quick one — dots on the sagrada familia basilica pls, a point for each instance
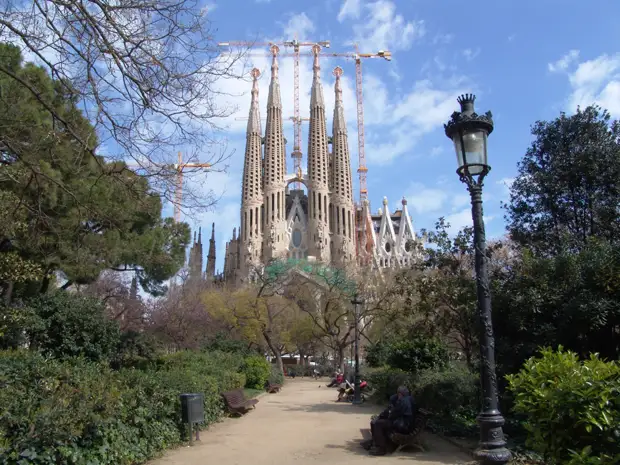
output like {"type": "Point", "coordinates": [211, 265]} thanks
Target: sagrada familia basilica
{"type": "Point", "coordinates": [324, 224]}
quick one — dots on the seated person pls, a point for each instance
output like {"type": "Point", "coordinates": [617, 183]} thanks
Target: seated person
{"type": "Point", "coordinates": [336, 380]}
{"type": "Point", "coordinates": [397, 417]}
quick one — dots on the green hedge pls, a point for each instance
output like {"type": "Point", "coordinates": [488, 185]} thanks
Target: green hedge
{"type": "Point", "coordinates": [572, 407]}
{"type": "Point", "coordinates": [79, 412]}
{"type": "Point", "coordinates": [451, 394]}
{"type": "Point", "coordinates": [257, 371]}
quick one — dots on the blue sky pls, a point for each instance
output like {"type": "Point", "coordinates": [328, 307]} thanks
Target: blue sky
{"type": "Point", "coordinates": [525, 60]}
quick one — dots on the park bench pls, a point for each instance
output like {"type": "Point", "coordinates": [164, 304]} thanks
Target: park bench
{"type": "Point", "coordinates": [412, 439]}
{"type": "Point", "coordinates": [273, 388]}
{"type": "Point", "coordinates": [236, 403]}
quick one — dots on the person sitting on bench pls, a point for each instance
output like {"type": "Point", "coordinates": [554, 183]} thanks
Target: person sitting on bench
{"type": "Point", "coordinates": [397, 417]}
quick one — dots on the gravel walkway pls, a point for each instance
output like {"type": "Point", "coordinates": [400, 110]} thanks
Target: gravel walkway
{"type": "Point", "coordinates": [302, 424]}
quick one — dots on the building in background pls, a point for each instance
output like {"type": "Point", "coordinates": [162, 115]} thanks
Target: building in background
{"type": "Point", "coordinates": [280, 219]}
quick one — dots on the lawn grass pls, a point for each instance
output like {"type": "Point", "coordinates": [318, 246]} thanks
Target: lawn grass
{"type": "Point", "coordinates": [251, 393]}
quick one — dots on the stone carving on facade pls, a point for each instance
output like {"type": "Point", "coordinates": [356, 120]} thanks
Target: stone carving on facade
{"type": "Point", "coordinates": [320, 242]}
{"type": "Point", "coordinates": [249, 252]}
{"type": "Point", "coordinates": [344, 248]}
{"type": "Point", "coordinates": [272, 234]}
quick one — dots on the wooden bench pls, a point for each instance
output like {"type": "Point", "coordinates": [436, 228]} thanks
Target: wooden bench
{"type": "Point", "coordinates": [273, 388]}
{"type": "Point", "coordinates": [412, 439]}
{"type": "Point", "coordinates": [236, 403]}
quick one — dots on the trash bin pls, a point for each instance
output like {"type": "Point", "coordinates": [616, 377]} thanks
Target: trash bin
{"type": "Point", "coordinates": [192, 408]}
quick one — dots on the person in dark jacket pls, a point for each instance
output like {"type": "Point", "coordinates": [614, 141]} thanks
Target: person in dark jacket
{"type": "Point", "coordinates": [399, 418]}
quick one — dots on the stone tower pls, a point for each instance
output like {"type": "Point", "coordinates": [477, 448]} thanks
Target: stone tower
{"type": "Point", "coordinates": [341, 208]}
{"type": "Point", "coordinates": [251, 229]}
{"type": "Point", "coordinates": [210, 271]}
{"type": "Point", "coordinates": [318, 173]}
{"type": "Point", "coordinates": [274, 168]}
{"type": "Point", "coordinates": [195, 257]}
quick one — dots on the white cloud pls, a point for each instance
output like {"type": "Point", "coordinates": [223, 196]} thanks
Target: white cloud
{"type": "Point", "coordinates": [423, 199]}
{"type": "Point", "coordinates": [463, 218]}
{"type": "Point", "coordinates": [380, 27]}
{"type": "Point", "coordinates": [470, 54]}
{"type": "Point", "coordinates": [506, 183]}
{"type": "Point", "coordinates": [595, 81]}
{"type": "Point", "coordinates": [563, 63]}
{"type": "Point", "coordinates": [350, 9]}
{"type": "Point", "coordinates": [436, 151]}
{"type": "Point", "coordinates": [299, 26]}
{"type": "Point", "coordinates": [443, 39]}
{"type": "Point", "coordinates": [460, 200]}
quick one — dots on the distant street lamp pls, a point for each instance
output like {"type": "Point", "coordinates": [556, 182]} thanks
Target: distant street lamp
{"type": "Point", "coordinates": [469, 131]}
{"type": "Point", "coordinates": [357, 398]}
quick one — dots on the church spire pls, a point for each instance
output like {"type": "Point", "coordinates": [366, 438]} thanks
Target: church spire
{"type": "Point", "coordinates": [254, 117]}
{"type": "Point", "coordinates": [339, 121]}
{"type": "Point", "coordinates": [211, 255]}
{"type": "Point", "coordinates": [274, 99]}
{"type": "Point", "coordinates": [274, 171]}
{"type": "Point", "coordinates": [318, 171]}
{"type": "Point", "coordinates": [343, 222]}
{"type": "Point", "coordinates": [316, 94]}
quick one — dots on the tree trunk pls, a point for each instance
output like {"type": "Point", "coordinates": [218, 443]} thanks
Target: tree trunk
{"type": "Point", "coordinates": [341, 358]}
{"type": "Point", "coordinates": [8, 293]}
{"type": "Point", "coordinates": [274, 350]}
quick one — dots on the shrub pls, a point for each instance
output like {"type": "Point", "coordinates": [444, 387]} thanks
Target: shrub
{"type": "Point", "coordinates": [385, 383]}
{"type": "Point", "coordinates": [77, 412]}
{"type": "Point", "coordinates": [275, 375]}
{"type": "Point", "coordinates": [64, 325]}
{"type": "Point", "coordinates": [416, 354]}
{"type": "Point", "coordinates": [453, 395]}
{"type": "Point", "coordinates": [572, 407]}
{"type": "Point", "coordinates": [221, 342]}
{"type": "Point", "coordinates": [376, 354]}
{"type": "Point", "coordinates": [257, 371]}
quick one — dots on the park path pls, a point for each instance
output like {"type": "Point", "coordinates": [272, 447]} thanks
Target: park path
{"type": "Point", "coordinates": [302, 425]}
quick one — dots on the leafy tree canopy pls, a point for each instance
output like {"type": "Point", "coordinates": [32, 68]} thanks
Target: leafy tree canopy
{"type": "Point", "coordinates": [63, 210]}
{"type": "Point", "coordinates": [567, 186]}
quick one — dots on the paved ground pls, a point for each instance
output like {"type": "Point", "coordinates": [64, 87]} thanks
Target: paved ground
{"type": "Point", "coordinates": [301, 424]}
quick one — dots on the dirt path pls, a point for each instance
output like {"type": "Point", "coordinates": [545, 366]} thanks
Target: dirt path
{"type": "Point", "coordinates": [304, 425]}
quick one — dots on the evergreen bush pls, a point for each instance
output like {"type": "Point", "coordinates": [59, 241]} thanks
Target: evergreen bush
{"type": "Point", "coordinates": [257, 371]}
{"type": "Point", "coordinates": [572, 407]}
{"type": "Point", "coordinates": [77, 412]}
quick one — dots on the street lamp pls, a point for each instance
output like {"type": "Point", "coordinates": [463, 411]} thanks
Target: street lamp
{"type": "Point", "coordinates": [469, 131]}
{"type": "Point", "coordinates": [357, 398]}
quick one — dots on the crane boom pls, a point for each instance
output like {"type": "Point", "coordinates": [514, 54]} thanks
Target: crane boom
{"type": "Point", "coordinates": [179, 167]}
{"type": "Point", "coordinates": [297, 119]}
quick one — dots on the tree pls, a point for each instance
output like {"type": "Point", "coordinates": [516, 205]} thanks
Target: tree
{"type": "Point", "coordinates": [255, 314]}
{"type": "Point", "coordinates": [180, 320]}
{"type": "Point", "coordinates": [145, 72]}
{"type": "Point", "coordinates": [572, 299]}
{"type": "Point", "coordinates": [63, 325]}
{"type": "Point", "coordinates": [65, 211]}
{"type": "Point", "coordinates": [436, 298]}
{"type": "Point", "coordinates": [324, 294]}
{"type": "Point", "coordinates": [567, 187]}
{"type": "Point", "coordinates": [121, 299]}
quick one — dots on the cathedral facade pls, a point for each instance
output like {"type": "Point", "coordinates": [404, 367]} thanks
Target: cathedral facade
{"type": "Point", "coordinates": [280, 220]}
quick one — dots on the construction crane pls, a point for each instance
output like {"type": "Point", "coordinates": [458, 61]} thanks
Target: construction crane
{"type": "Point", "coordinates": [362, 170]}
{"type": "Point", "coordinates": [179, 169]}
{"type": "Point", "coordinates": [297, 119]}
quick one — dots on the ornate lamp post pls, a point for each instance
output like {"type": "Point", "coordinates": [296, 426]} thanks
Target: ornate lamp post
{"type": "Point", "coordinates": [357, 398]}
{"type": "Point", "coordinates": [469, 132]}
